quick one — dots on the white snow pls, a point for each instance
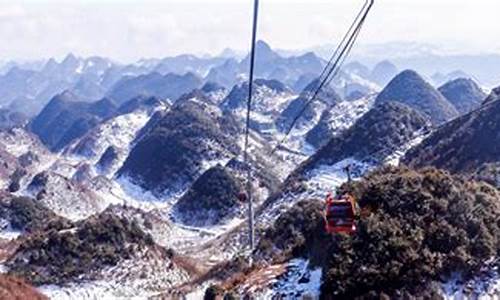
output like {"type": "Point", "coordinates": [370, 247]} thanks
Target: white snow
{"type": "Point", "coordinates": [395, 157]}
{"type": "Point", "coordinates": [197, 294]}
{"type": "Point", "coordinates": [341, 117]}
{"type": "Point", "coordinates": [18, 142]}
{"type": "Point", "coordinates": [123, 190]}
{"type": "Point", "coordinates": [68, 199]}
{"type": "Point", "coordinates": [299, 281]}
{"type": "Point", "coordinates": [3, 269]}
{"type": "Point", "coordinates": [118, 132]}
{"type": "Point", "coordinates": [320, 181]}
{"type": "Point", "coordinates": [485, 286]}
{"type": "Point", "coordinates": [344, 114]}
{"type": "Point", "coordinates": [7, 232]}
{"type": "Point", "coordinates": [79, 69]}
{"type": "Point", "coordinates": [326, 178]}
{"type": "Point", "coordinates": [218, 96]}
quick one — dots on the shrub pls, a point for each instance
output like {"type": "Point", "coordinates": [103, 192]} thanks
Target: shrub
{"type": "Point", "coordinates": [55, 256]}
{"type": "Point", "coordinates": [212, 198]}
{"type": "Point", "coordinates": [213, 292]}
{"type": "Point", "coordinates": [422, 226]}
{"type": "Point", "coordinates": [28, 215]}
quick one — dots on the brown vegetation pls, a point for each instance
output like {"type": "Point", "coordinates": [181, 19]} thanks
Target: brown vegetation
{"type": "Point", "coordinates": [15, 289]}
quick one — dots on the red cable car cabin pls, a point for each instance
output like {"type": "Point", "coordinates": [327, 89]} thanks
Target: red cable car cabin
{"type": "Point", "coordinates": [340, 214]}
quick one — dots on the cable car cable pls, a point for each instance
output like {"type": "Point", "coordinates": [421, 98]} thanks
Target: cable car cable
{"type": "Point", "coordinates": [247, 130]}
{"type": "Point", "coordinates": [339, 46]}
{"type": "Point", "coordinates": [334, 68]}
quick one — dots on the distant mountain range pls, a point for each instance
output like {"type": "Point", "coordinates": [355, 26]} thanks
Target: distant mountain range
{"type": "Point", "coordinates": [429, 60]}
{"type": "Point", "coordinates": [28, 87]}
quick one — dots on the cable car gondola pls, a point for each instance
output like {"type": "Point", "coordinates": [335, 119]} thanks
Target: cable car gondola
{"type": "Point", "coordinates": [341, 214]}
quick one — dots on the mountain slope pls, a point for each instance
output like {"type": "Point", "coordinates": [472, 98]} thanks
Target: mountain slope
{"type": "Point", "coordinates": [377, 134]}
{"type": "Point", "coordinates": [65, 119]}
{"type": "Point", "coordinates": [117, 133]}
{"type": "Point", "coordinates": [337, 119]}
{"type": "Point", "coordinates": [212, 199]}
{"type": "Point", "coordinates": [439, 79]}
{"type": "Point", "coordinates": [383, 72]}
{"type": "Point", "coordinates": [170, 86]}
{"type": "Point", "coordinates": [269, 64]}
{"type": "Point", "coordinates": [269, 99]}
{"type": "Point", "coordinates": [10, 119]}
{"type": "Point", "coordinates": [325, 99]}
{"type": "Point", "coordinates": [464, 94]}
{"type": "Point", "coordinates": [82, 250]}
{"type": "Point", "coordinates": [64, 196]}
{"type": "Point", "coordinates": [26, 214]}
{"type": "Point", "coordinates": [177, 148]}
{"type": "Point", "coordinates": [411, 89]}
{"type": "Point", "coordinates": [239, 94]}
{"type": "Point", "coordinates": [463, 145]}
{"type": "Point", "coordinates": [28, 91]}
{"type": "Point", "coordinates": [495, 95]}
{"type": "Point", "coordinates": [378, 137]}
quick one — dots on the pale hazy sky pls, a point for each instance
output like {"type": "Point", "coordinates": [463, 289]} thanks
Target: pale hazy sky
{"type": "Point", "coordinates": [128, 30]}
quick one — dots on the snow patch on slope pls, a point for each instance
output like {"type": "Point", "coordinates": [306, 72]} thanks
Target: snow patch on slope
{"type": "Point", "coordinates": [326, 178]}
{"type": "Point", "coordinates": [18, 141]}
{"type": "Point", "coordinates": [485, 286]}
{"type": "Point", "coordinates": [298, 281]}
{"type": "Point", "coordinates": [344, 114]}
{"type": "Point", "coordinates": [118, 132]}
{"type": "Point", "coordinates": [141, 277]}
{"type": "Point", "coordinates": [395, 157]}
{"type": "Point", "coordinates": [319, 182]}
{"type": "Point", "coordinates": [7, 232]}
{"type": "Point", "coordinates": [65, 197]}
{"type": "Point", "coordinates": [339, 118]}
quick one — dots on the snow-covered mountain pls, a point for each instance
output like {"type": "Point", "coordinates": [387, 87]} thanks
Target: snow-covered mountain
{"type": "Point", "coordinates": [190, 138]}
{"type": "Point", "coordinates": [140, 194]}
{"type": "Point", "coordinates": [337, 119]}
{"type": "Point", "coordinates": [325, 99]}
{"type": "Point", "coordinates": [494, 95]}
{"type": "Point", "coordinates": [270, 98]}
{"type": "Point", "coordinates": [372, 140]}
